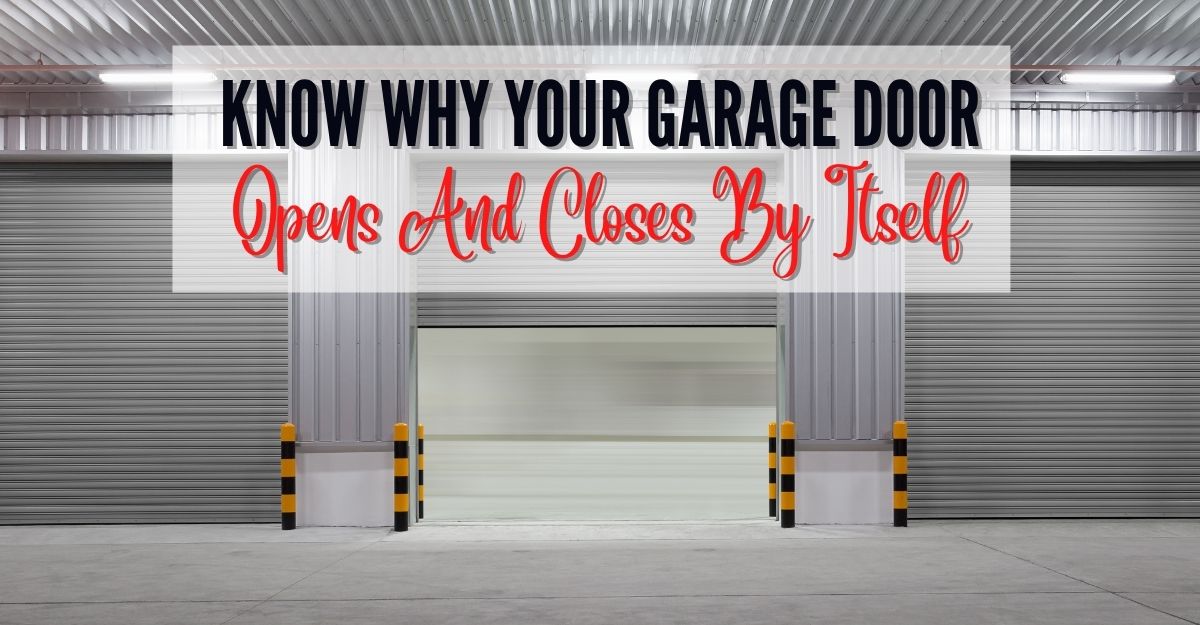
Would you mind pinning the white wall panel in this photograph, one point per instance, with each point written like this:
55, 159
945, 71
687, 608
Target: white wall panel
344, 489
1068, 130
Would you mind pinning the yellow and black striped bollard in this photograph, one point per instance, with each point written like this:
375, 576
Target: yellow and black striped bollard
787, 474
772, 471
400, 477
420, 472
287, 476
900, 474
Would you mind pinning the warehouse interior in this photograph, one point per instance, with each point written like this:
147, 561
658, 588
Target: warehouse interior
1003, 394
1053, 452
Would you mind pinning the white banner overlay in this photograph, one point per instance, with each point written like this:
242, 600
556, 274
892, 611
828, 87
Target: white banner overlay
594, 170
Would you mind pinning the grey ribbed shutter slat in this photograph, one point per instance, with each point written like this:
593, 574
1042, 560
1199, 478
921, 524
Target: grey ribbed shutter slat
630, 180
120, 401
1078, 394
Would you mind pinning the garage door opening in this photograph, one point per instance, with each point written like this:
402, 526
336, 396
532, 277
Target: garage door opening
596, 423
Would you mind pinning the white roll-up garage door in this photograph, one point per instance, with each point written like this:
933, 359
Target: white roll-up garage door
595, 423
1077, 394
120, 401
632, 179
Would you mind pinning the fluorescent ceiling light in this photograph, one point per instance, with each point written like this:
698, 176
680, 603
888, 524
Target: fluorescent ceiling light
1118, 78
156, 77
643, 76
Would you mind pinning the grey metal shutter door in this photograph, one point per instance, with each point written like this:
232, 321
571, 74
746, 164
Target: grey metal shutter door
1078, 394
607, 309
121, 402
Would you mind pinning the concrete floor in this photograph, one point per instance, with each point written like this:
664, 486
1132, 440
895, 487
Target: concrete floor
1019, 573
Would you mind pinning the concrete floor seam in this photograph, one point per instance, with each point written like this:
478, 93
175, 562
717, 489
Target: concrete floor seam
1159, 610
1068, 576
310, 574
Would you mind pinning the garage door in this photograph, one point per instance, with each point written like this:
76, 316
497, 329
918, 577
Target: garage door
1077, 394
630, 180
595, 423
121, 402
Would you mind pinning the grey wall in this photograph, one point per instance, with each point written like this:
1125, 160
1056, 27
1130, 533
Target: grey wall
350, 365
841, 364
840, 354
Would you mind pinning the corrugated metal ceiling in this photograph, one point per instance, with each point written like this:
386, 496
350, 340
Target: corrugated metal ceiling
1040, 32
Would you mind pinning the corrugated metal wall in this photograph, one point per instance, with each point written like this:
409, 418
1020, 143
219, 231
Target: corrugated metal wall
352, 354
351, 365
1072, 130
334, 338
841, 360
123, 133
1028, 129
840, 353
1076, 394
120, 401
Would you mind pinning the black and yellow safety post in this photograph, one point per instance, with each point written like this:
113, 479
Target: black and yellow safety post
400, 477
787, 474
287, 476
772, 470
900, 474
420, 471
